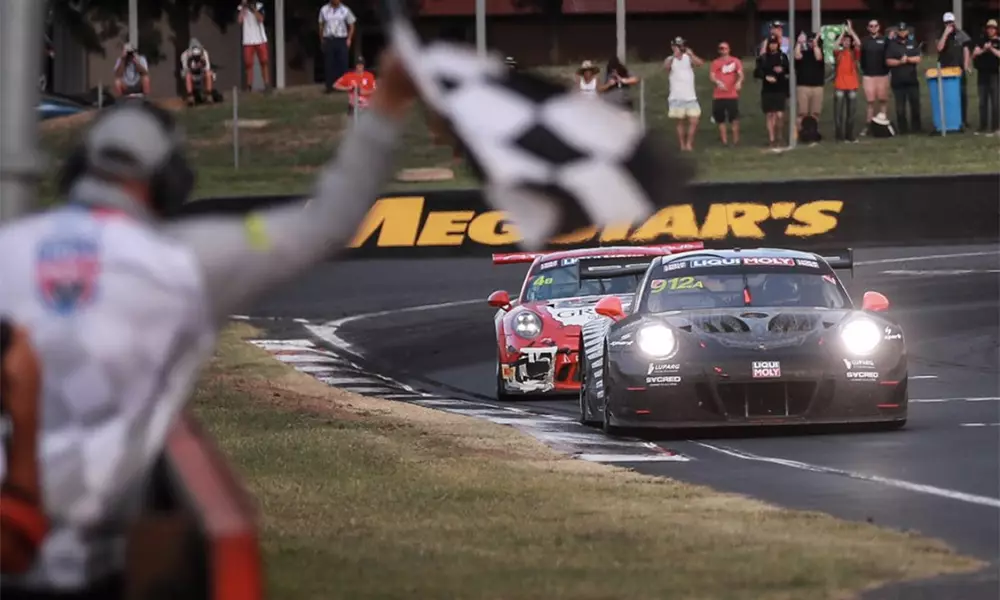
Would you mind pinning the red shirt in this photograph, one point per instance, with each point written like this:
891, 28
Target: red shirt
847, 69
727, 70
365, 81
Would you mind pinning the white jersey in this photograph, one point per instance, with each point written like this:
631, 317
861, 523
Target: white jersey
681, 80
253, 30
123, 313
588, 88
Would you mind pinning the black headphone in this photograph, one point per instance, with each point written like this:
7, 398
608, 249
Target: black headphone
171, 180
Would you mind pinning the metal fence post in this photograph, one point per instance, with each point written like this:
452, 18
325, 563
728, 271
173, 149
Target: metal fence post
100, 95
642, 103
940, 86
236, 127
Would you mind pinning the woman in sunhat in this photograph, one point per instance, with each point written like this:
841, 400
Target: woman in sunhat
586, 79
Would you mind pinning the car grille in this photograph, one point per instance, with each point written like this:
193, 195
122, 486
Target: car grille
792, 323
721, 324
770, 399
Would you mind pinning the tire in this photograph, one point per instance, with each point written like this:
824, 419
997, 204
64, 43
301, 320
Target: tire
585, 392
606, 425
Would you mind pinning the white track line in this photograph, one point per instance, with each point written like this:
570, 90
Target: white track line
979, 424
923, 377
897, 483
903, 259
939, 400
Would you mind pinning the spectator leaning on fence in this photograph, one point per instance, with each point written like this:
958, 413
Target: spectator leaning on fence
131, 73
810, 75
250, 16
875, 73
336, 34
682, 102
586, 79
953, 51
986, 58
726, 74
846, 84
124, 306
903, 57
772, 69
617, 82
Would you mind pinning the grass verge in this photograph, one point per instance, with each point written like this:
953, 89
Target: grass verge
301, 128
367, 498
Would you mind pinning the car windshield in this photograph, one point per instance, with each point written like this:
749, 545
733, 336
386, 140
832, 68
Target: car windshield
565, 282
683, 288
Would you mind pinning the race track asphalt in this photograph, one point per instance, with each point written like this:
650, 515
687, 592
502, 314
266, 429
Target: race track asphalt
939, 476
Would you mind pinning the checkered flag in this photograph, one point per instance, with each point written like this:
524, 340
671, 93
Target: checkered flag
554, 160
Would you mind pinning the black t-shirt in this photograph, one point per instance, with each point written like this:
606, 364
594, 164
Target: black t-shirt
873, 56
903, 75
952, 55
809, 71
987, 64
766, 65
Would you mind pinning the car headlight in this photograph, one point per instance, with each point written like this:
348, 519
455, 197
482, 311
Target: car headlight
527, 325
861, 336
656, 341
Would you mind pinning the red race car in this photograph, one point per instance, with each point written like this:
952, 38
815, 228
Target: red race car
538, 333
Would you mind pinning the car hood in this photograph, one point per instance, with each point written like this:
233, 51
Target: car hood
572, 312
751, 326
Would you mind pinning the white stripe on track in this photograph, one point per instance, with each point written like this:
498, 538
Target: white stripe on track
888, 481
903, 259
939, 400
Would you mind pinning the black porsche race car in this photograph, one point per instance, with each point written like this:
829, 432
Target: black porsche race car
743, 337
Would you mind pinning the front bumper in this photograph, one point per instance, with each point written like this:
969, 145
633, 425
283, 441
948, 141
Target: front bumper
541, 370
804, 390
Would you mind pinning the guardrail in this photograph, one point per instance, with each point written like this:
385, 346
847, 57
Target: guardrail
863, 212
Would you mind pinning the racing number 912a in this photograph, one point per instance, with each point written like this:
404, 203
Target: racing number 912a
675, 283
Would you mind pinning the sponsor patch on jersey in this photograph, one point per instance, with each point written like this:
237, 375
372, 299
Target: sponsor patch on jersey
67, 270
765, 369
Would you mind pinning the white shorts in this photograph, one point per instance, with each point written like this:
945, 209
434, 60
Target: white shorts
682, 109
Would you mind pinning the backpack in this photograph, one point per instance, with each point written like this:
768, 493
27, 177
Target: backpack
809, 131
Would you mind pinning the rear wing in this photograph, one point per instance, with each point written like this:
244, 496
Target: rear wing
509, 258
839, 259
613, 267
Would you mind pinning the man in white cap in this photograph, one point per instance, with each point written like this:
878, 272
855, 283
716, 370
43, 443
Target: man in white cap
953, 51
123, 307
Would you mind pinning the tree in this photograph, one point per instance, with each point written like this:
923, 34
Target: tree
552, 10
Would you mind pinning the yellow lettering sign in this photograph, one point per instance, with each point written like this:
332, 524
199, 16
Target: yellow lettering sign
445, 228
493, 229
815, 218
675, 221
397, 221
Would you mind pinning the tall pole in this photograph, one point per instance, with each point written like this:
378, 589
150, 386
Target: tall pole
21, 24
481, 27
279, 44
817, 16
620, 29
956, 7
792, 104
133, 23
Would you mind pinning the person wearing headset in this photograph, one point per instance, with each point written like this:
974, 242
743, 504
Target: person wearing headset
123, 305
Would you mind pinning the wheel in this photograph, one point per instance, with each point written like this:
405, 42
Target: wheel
502, 396
606, 425
585, 393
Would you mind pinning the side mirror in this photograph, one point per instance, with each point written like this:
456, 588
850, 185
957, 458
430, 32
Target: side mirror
875, 302
499, 299
611, 307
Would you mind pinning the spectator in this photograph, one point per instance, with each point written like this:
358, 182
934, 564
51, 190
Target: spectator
902, 56
987, 63
511, 64
727, 75
359, 83
683, 99
953, 51
875, 73
772, 68
196, 69
845, 84
336, 32
586, 79
23, 524
131, 73
157, 291
777, 30
617, 81
810, 75
250, 16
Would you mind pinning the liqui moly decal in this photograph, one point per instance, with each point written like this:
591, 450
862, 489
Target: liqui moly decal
766, 369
